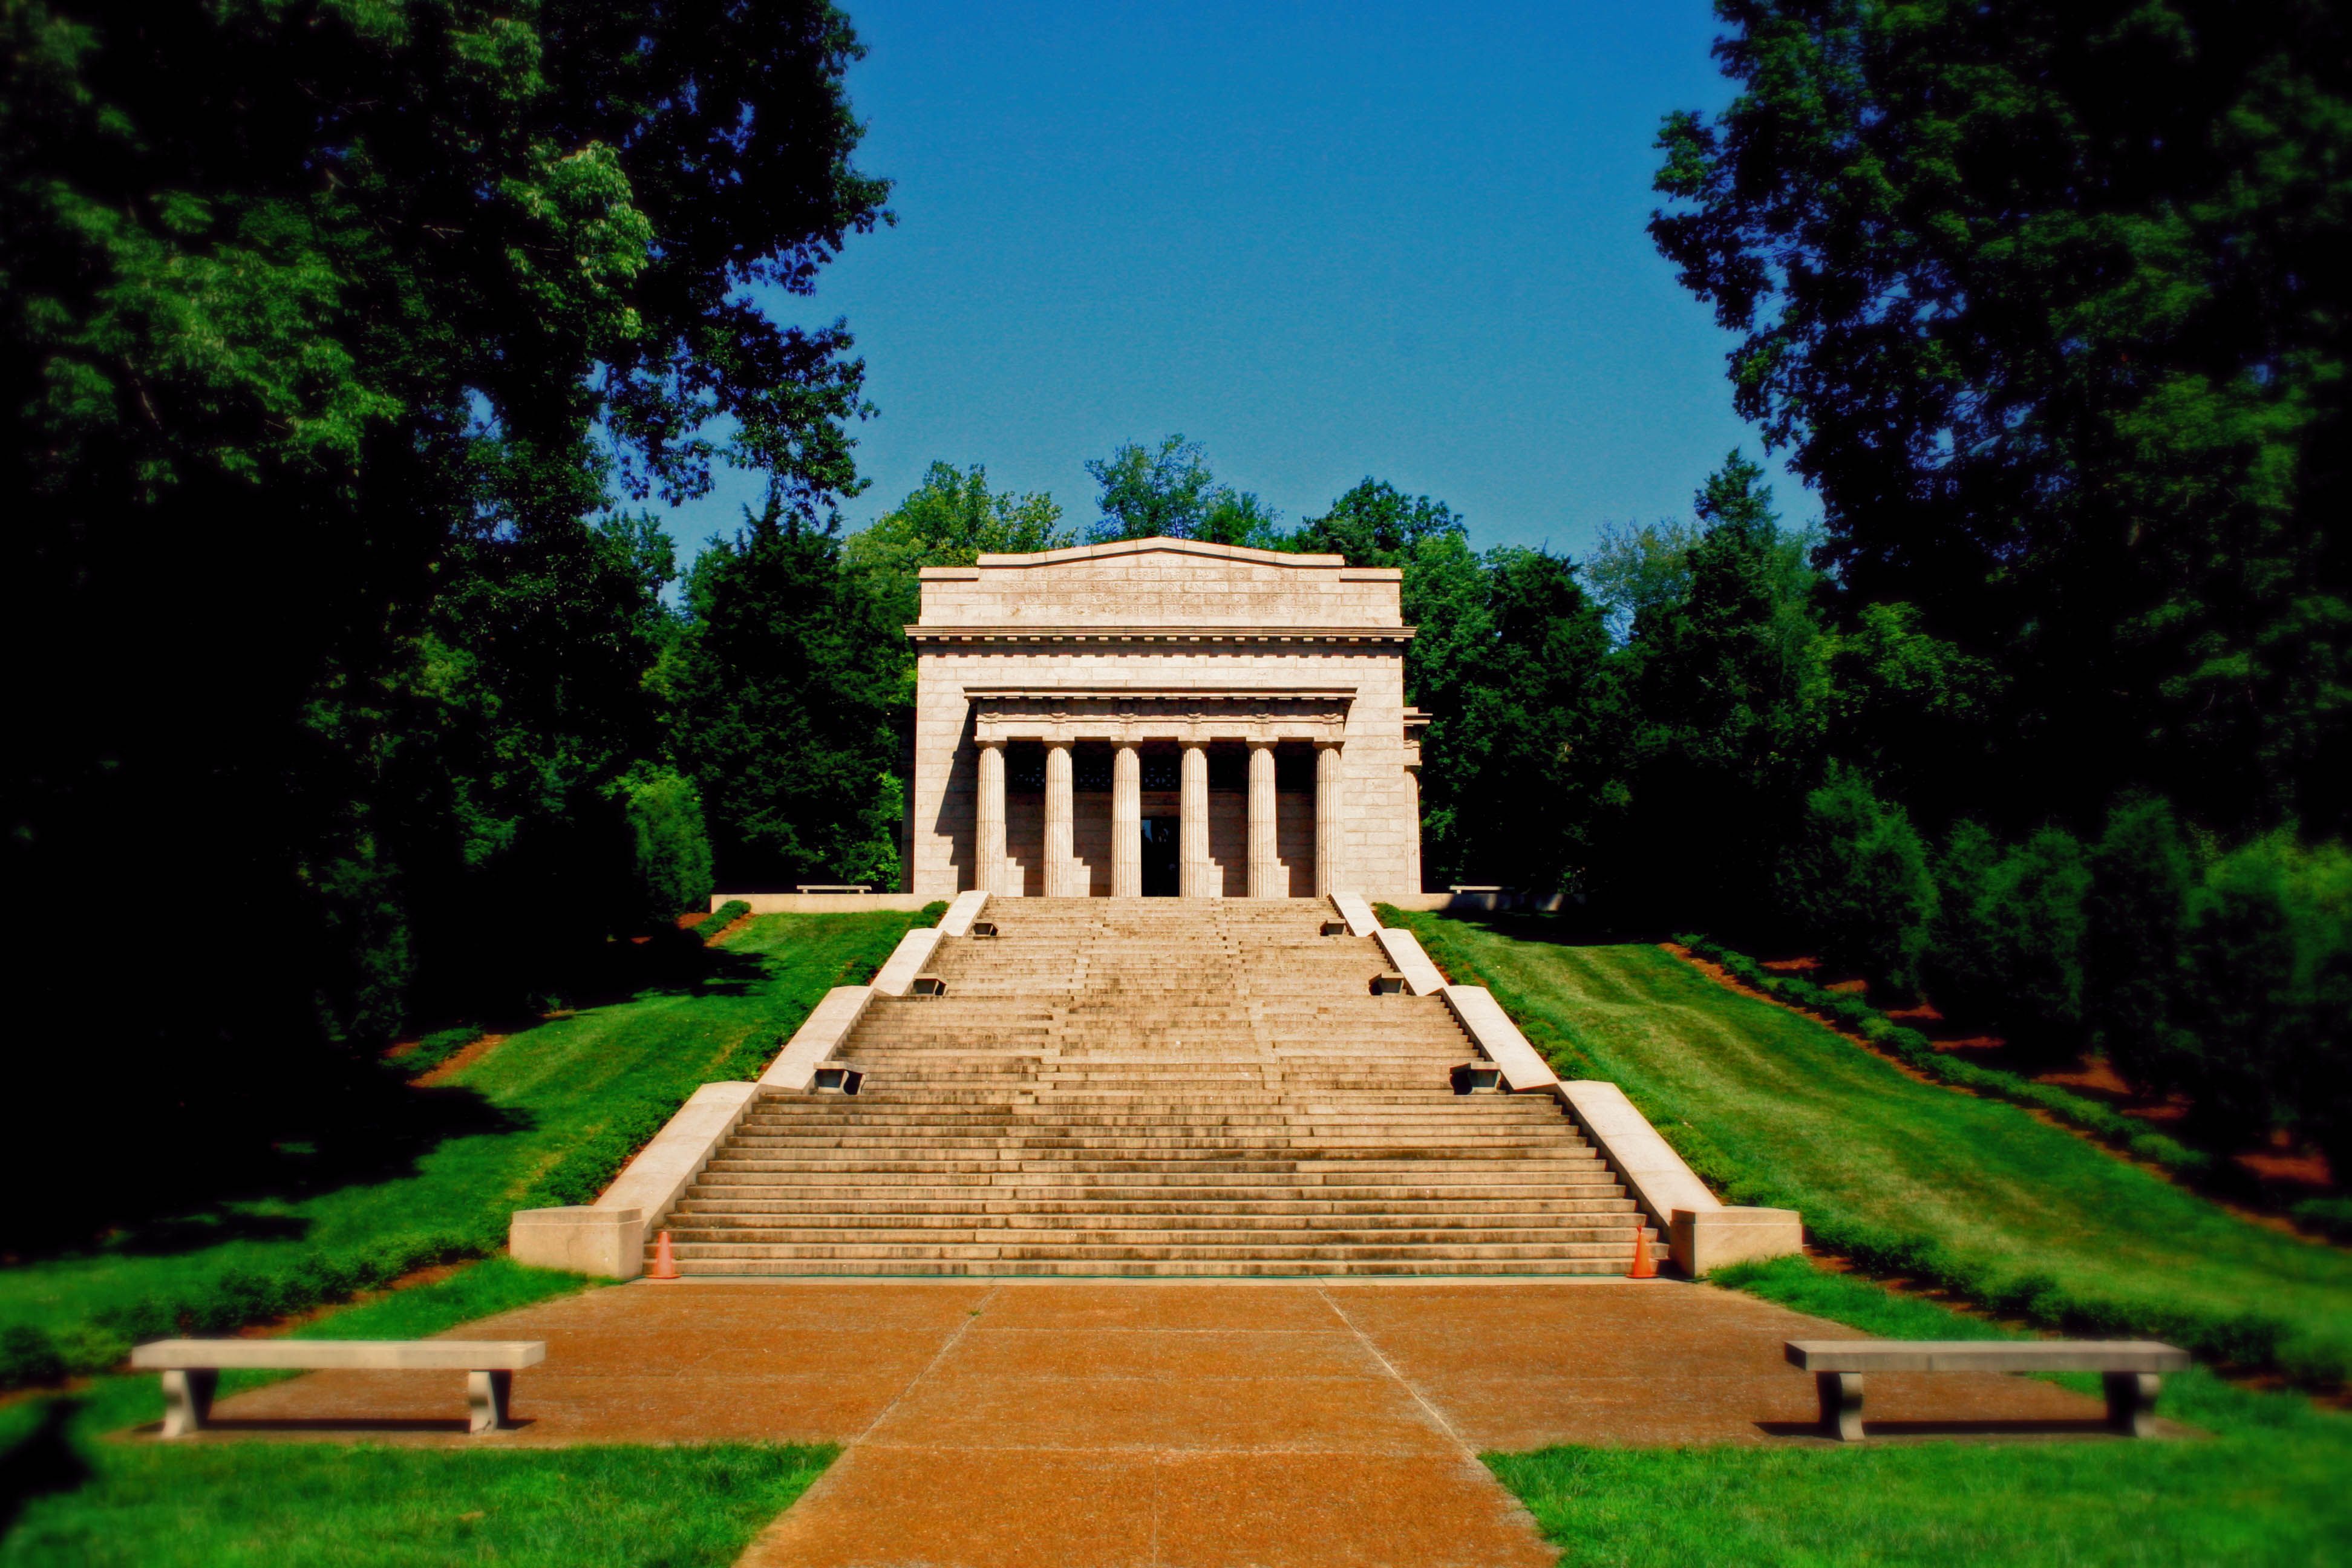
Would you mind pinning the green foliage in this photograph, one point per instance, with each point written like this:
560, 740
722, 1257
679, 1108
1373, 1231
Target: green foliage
789, 691
389, 298
1713, 736
1170, 494
2266, 1035
2010, 935
2136, 919
1637, 571
948, 519
1857, 880
436, 1048
2042, 302
718, 919
673, 846
2331, 1217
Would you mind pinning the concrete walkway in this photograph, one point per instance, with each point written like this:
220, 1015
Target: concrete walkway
1072, 1424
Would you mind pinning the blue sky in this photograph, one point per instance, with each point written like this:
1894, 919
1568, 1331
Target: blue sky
1324, 241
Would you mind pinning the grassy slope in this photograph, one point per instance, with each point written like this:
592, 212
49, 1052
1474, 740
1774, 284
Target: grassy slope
2265, 1488
88, 1501
556, 1087
1786, 1112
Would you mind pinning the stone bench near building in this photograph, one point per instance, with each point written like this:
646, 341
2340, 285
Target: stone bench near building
2131, 1370
192, 1369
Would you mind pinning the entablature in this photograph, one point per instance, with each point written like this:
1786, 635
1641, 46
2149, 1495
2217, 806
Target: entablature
1014, 633
1126, 715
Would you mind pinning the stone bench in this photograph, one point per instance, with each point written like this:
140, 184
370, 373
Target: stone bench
192, 1368
832, 887
2130, 1369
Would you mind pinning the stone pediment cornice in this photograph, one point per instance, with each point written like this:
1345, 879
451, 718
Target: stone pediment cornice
1013, 632
1197, 715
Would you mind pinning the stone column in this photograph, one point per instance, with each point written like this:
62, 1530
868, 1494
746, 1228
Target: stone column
1328, 822
1266, 878
1061, 854
1194, 874
1126, 824
1413, 828
988, 836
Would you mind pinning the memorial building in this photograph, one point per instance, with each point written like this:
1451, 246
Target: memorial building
1163, 717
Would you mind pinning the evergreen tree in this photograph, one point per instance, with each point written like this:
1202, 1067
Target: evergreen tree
2136, 921
787, 694
1857, 881
1717, 722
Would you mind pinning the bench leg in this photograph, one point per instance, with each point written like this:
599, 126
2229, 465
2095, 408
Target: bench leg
1840, 1394
188, 1398
2131, 1401
486, 1399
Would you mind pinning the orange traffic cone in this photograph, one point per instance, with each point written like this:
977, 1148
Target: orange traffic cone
1643, 1268
664, 1265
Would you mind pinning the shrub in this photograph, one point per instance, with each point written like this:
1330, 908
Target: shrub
673, 846
436, 1049
2136, 924
2006, 946
2264, 1004
2331, 1217
1857, 878
719, 919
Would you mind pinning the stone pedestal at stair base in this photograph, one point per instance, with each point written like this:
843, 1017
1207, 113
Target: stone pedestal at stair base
1706, 1240
609, 1242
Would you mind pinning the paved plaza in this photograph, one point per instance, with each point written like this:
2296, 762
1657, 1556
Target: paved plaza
1094, 1422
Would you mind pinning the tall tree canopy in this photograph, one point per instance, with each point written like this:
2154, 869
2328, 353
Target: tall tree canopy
1169, 492
371, 303
2049, 305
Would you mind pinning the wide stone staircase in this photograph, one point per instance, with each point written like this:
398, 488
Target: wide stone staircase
1156, 1087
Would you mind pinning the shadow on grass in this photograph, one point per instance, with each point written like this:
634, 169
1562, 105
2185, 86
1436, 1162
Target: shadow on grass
1569, 928
41, 1463
1875, 1430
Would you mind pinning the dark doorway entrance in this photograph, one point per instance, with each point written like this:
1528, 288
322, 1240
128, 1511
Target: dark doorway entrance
1160, 858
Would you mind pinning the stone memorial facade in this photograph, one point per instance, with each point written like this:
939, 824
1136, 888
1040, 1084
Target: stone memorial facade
1163, 717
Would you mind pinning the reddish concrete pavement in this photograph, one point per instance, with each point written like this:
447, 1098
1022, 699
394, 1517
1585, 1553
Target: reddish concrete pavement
1101, 1423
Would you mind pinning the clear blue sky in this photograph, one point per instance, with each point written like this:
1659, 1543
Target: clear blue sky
1323, 241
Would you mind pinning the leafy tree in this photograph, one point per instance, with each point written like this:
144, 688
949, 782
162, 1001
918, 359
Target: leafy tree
1718, 720
1170, 494
2047, 305
674, 872
948, 519
1509, 732
347, 296
1444, 587
1911, 710
1637, 571
787, 694
1857, 880
2135, 921
2008, 943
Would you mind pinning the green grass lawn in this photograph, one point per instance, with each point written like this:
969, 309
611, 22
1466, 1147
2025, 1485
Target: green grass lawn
543, 1118
2264, 1485
69, 1494
2021, 1215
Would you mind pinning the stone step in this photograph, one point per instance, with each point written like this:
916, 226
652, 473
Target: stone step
1106, 1207
1079, 1250
1147, 1268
